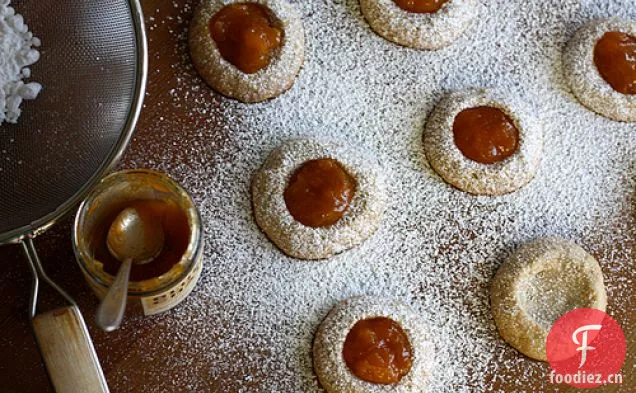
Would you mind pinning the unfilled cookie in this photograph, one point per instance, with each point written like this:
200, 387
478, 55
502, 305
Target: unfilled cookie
541, 282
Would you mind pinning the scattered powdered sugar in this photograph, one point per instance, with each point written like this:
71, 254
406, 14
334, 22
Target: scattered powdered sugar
16, 54
250, 322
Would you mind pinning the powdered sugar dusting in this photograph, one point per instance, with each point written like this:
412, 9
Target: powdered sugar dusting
329, 363
269, 82
361, 220
543, 280
429, 31
495, 179
249, 324
17, 53
585, 80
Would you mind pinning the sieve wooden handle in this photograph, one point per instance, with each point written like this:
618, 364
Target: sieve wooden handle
68, 352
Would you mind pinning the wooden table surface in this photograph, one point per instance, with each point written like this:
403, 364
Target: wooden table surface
21, 368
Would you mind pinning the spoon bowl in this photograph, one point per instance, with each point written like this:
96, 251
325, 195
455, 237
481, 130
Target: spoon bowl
133, 238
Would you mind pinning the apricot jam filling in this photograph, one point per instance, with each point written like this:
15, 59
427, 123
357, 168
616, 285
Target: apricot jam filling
319, 192
485, 134
246, 35
421, 6
377, 350
615, 59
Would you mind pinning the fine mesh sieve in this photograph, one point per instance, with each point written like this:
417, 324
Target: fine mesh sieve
90, 69
93, 68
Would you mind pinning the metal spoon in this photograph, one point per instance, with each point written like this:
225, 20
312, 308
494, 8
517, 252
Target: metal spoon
131, 239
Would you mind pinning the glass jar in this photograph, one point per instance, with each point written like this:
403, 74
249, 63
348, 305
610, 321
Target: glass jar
166, 281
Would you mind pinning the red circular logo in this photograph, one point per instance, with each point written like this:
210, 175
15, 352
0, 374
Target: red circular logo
586, 348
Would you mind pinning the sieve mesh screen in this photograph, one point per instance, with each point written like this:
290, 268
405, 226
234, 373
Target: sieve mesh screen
82, 118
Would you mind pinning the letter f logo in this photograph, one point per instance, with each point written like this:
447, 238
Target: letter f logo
583, 344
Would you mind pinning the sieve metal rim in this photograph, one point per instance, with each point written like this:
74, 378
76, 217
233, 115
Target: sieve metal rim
40, 225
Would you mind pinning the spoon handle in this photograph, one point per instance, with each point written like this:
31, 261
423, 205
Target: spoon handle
111, 312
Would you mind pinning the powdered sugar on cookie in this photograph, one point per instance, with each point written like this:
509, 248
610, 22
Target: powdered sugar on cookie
583, 76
